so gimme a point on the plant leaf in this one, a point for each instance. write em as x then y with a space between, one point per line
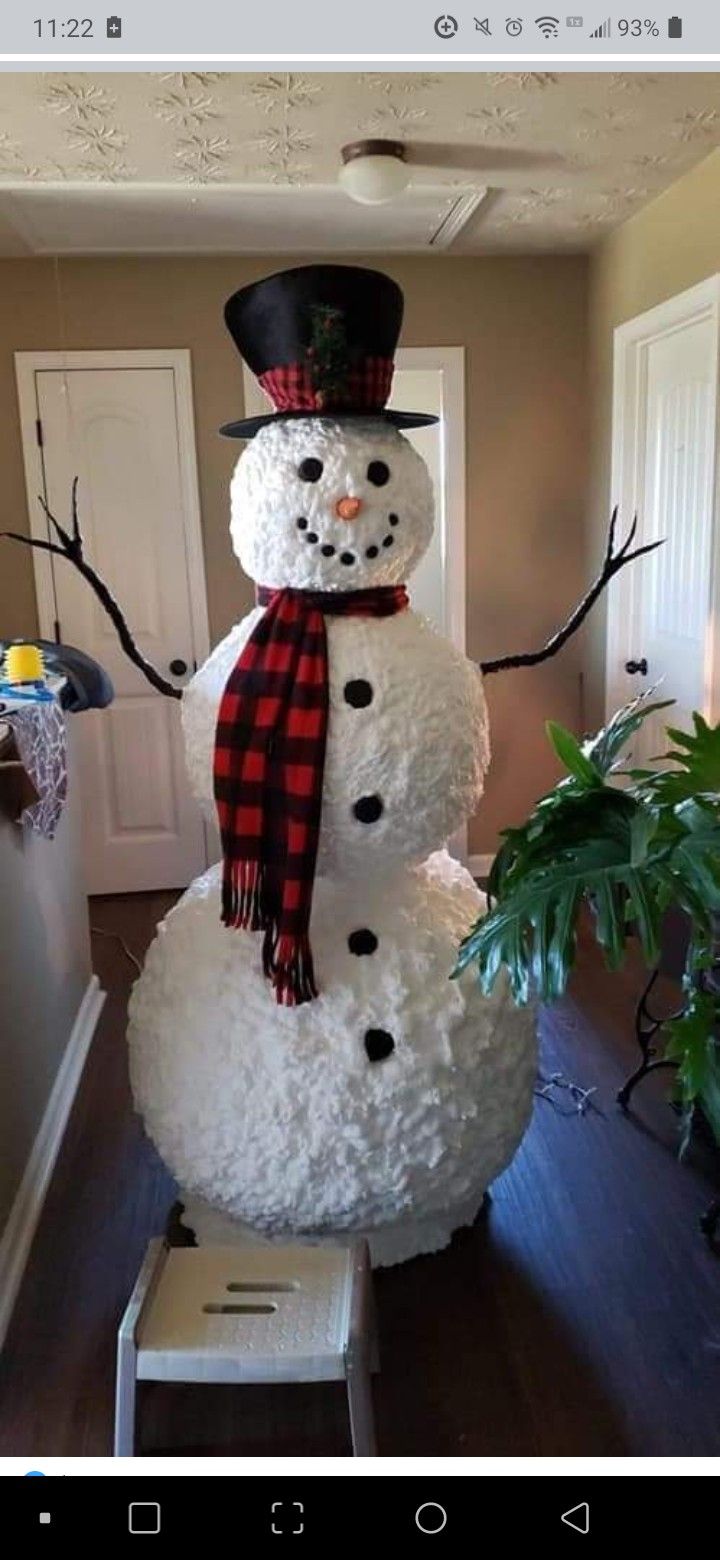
642 829
630 852
691 1044
647 914
570 753
608 743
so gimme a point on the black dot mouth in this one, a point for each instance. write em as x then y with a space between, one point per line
347 558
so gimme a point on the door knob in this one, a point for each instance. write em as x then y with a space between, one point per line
637 666
178 667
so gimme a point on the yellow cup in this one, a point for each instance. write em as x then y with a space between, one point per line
24 663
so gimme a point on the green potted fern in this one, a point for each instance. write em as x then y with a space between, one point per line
628 843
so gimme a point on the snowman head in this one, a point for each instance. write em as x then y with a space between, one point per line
330 504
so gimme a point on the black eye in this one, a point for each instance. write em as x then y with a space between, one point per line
378 473
311 469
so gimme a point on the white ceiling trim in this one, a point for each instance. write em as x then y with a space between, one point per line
93 219
457 218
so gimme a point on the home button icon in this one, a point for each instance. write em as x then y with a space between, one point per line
431 1518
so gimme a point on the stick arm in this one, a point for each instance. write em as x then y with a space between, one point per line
613 562
70 546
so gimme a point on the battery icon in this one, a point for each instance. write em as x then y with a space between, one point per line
675 27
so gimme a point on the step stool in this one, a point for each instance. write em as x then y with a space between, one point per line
255 1314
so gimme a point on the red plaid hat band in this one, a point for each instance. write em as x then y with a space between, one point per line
367 388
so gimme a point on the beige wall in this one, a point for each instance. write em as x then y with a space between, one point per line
523 324
44 974
670 245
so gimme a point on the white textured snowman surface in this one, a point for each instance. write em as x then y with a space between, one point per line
280 1117
408 724
388 1104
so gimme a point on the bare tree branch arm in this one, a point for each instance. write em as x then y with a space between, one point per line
613 562
71 547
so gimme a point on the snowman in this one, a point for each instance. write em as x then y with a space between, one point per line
300 1055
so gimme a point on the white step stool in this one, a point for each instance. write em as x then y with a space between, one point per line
250 1314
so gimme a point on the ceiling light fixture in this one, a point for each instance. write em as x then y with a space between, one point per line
374 172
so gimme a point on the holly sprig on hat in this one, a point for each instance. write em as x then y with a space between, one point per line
328 354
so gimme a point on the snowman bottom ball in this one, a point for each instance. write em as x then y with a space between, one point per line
384 1108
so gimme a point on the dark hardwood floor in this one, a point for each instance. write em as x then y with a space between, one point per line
581 1315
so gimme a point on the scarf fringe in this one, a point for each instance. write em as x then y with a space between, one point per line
288 962
242 893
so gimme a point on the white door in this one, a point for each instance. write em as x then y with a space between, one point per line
121 430
668 370
421 390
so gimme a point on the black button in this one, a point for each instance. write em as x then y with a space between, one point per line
368 809
372 552
378 1044
362 942
302 523
328 551
358 692
347 558
311 536
394 519
388 541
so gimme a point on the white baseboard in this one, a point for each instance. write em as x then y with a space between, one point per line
479 866
23 1219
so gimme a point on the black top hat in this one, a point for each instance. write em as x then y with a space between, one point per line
321 340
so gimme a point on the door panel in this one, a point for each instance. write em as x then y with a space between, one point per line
117 428
673 585
663 610
421 390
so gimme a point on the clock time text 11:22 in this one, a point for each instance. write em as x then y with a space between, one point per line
72 27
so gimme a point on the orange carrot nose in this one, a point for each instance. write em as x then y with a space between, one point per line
348 508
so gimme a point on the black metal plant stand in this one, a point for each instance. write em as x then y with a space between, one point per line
646 1028
647 1025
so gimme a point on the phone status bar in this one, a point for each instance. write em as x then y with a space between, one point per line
282 30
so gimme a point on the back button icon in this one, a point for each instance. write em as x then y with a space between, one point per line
578 1517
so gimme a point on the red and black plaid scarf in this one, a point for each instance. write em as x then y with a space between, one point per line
269 762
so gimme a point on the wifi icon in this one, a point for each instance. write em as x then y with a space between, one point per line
548 25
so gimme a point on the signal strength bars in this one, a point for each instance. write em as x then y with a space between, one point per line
604 30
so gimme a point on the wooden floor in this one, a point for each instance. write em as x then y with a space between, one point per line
580 1316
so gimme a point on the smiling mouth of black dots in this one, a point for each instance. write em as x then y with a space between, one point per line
348 558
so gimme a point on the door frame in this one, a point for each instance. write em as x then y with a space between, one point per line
451 363
632 341
27 366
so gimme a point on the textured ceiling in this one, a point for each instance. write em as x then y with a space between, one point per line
565 156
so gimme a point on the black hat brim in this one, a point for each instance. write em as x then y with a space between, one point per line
247 427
